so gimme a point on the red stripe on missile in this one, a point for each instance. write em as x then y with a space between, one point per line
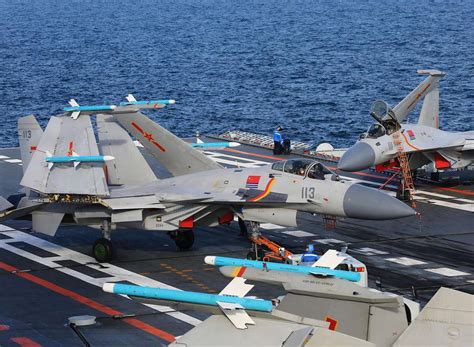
241 271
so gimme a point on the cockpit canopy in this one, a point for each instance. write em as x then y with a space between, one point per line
303 167
374 131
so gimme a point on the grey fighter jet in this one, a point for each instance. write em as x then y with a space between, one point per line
423 142
69 177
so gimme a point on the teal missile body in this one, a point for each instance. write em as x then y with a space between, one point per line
269 266
188 297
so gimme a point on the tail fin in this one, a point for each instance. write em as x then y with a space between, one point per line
429 114
129 166
29 135
431 83
178 157
64 136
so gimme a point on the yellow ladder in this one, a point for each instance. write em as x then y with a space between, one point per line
405 167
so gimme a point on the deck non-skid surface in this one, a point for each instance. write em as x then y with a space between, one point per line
46 280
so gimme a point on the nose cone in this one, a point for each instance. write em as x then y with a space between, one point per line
367 203
359 157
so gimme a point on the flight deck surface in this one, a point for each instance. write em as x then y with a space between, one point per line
45 280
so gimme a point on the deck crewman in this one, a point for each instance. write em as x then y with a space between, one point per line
278 141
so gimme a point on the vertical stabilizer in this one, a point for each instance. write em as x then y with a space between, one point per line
29 135
129 166
177 156
404 107
429 114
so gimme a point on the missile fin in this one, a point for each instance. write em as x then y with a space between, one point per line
236 314
237 287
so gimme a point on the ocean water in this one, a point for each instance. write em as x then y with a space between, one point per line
313 66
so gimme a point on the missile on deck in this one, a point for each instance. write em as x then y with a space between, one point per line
269 266
187 297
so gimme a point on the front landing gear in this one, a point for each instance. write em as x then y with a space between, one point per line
184 238
102 250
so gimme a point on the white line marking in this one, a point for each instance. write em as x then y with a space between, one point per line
447 272
406 261
327 241
5 228
467 207
270 226
470 281
14 161
4 157
369 251
117 273
298 233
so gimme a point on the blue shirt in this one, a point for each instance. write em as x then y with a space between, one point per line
309 258
277 136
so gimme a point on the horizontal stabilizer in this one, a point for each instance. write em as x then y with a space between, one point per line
65 137
177 156
129 166
19 212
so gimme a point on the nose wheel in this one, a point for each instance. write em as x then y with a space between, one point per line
184 238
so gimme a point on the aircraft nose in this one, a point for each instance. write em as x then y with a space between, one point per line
368 203
359 157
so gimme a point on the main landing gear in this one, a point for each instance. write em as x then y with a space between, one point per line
183 238
102 250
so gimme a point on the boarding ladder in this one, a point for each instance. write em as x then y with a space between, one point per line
404 167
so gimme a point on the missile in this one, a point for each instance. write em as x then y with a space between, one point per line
90 108
76 159
269 266
80 159
188 297
150 103
131 101
215 144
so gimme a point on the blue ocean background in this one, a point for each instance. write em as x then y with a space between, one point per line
313 66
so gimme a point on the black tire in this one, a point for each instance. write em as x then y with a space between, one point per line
260 255
184 239
243 227
103 251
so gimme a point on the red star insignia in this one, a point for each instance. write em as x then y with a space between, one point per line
148 136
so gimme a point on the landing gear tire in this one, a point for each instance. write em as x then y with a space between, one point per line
103 250
184 239
243 227
255 256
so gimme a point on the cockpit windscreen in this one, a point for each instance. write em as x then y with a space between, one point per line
303 167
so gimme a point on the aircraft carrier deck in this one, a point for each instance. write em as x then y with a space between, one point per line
46 280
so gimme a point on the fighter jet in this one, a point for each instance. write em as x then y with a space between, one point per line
423 142
118 189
